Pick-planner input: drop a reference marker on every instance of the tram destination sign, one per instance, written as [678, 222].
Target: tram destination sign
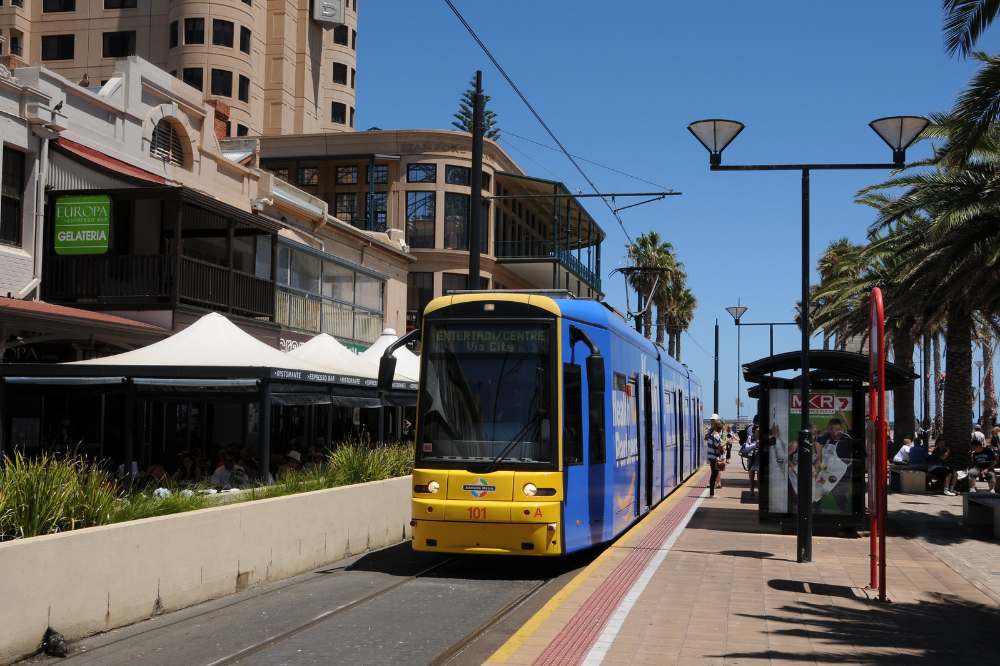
[82, 224]
[498, 340]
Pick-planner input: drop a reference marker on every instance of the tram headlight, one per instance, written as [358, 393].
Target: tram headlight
[431, 487]
[530, 490]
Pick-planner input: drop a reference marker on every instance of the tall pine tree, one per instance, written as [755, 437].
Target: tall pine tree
[463, 119]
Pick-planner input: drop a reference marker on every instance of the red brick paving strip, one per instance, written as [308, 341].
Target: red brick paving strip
[572, 644]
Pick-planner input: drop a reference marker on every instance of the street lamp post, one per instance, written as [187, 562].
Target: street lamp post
[737, 312]
[899, 133]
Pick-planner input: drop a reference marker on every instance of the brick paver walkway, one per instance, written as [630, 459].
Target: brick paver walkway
[729, 592]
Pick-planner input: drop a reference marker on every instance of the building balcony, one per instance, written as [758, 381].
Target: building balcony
[138, 279]
[547, 252]
[316, 314]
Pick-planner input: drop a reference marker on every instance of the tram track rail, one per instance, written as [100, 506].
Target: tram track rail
[323, 617]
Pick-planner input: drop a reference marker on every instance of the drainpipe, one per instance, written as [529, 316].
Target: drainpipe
[44, 135]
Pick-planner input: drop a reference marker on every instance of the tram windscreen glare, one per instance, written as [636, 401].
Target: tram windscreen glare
[487, 393]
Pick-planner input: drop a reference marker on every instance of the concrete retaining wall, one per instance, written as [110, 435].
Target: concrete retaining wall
[99, 578]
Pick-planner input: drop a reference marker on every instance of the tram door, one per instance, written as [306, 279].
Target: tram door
[647, 453]
[639, 434]
[679, 414]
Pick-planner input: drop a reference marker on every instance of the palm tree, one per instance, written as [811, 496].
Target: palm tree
[649, 252]
[685, 303]
[951, 263]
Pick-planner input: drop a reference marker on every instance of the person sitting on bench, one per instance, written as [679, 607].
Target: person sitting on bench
[983, 462]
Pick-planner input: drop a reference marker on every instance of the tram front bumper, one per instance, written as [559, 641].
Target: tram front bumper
[486, 538]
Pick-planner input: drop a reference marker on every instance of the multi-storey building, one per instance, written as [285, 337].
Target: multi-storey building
[416, 183]
[278, 70]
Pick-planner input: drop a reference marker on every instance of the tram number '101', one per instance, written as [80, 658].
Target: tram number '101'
[477, 513]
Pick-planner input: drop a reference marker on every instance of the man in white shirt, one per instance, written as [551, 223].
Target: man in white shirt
[230, 475]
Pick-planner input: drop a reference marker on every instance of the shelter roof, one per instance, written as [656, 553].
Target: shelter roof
[826, 365]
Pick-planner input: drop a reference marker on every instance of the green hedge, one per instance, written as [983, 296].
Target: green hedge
[47, 495]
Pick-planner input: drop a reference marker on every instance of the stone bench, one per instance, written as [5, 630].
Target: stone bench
[982, 509]
[908, 481]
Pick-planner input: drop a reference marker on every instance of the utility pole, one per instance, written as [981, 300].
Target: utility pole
[476, 200]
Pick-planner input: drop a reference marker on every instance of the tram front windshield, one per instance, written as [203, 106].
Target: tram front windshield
[487, 394]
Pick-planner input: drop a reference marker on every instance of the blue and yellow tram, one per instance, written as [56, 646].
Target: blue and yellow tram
[545, 425]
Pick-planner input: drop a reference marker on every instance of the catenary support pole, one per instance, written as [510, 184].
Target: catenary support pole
[804, 516]
[476, 200]
[129, 433]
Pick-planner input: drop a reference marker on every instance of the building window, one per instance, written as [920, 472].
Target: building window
[174, 35]
[222, 82]
[353, 76]
[456, 175]
[242, 130]
[53, 6]
[354, 39]
[229, 128]
[194, 31]
[486, 182]
[120, 4]
[57, 47]
[346, 207]
[420, 211]
[166, 144]
[244, 89]
[453, 282]
[352, 116]
[421, 173]
[380, 205]
[308, 176]
[378, 175]
[281, 173]
[340, 35]
[245, 39]
[194, 77]
[347, 175]
[222, 33]
[119, 44]
[11, 194]
[456, 221]
[248, 2]
[340, 73]
[338, 113]
[419, 292]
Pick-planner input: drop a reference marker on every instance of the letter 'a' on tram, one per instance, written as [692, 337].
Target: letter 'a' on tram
[545, 424]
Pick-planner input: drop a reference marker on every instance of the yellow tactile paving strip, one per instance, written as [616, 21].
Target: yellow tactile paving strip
[731, 593]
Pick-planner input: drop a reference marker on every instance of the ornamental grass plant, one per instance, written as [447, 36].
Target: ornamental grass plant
[48, 494]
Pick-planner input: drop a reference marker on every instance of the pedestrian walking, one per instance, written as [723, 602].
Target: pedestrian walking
[715, 451]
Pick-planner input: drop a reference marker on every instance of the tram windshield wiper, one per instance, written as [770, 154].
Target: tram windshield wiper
[514, 441]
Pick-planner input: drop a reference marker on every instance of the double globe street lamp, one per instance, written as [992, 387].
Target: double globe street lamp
[899, 133]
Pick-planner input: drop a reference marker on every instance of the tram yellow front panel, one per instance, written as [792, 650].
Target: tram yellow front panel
[535, 512]
[486, 538]
[477, 511]
[492, 487]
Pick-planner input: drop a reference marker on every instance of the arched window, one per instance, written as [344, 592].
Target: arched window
[166, 144]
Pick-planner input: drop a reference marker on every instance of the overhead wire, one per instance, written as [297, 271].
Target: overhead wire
[557, 176]
[537, 117]
[584, 159]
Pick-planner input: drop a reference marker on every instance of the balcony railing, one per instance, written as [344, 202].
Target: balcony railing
[147, 276]
[314, 313]
[151, 277]
[546, 249]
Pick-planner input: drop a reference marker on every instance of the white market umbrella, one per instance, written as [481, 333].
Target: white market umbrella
[407, 363]
[325, 350]
[212, 341]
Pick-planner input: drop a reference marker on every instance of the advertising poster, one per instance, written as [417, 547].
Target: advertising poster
[830, 414]
[82, 224]
[779, 475]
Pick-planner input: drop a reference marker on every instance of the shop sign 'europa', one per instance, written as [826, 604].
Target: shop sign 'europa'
[82, 224]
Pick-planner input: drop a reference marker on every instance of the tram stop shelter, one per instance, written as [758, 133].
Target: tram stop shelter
[837, 411]
[135, 408]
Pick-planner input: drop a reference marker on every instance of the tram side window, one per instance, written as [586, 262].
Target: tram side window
[572, 415]
[597, 435]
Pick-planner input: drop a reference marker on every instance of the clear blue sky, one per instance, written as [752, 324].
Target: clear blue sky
[618, 83]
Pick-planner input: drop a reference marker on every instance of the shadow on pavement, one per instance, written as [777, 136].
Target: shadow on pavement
[939, 631]
[942, 528]
[721, 519]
